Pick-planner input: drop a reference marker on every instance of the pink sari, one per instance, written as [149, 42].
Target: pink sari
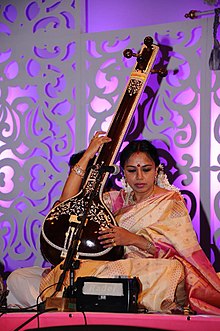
[178, 274]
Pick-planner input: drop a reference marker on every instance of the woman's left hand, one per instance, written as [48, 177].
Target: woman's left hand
[115, 236]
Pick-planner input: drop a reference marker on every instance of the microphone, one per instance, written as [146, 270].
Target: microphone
[113, 169]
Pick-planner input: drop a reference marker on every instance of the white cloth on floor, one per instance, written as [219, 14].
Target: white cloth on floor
[23, 285]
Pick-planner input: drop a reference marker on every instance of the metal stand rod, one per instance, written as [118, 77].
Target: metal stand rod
[196, 13]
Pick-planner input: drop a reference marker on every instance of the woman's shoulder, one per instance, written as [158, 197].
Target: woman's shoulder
[170, 194]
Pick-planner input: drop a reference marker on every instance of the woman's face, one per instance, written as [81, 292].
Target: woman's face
[140, 172]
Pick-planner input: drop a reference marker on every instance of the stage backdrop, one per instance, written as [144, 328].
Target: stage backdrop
[58, 85]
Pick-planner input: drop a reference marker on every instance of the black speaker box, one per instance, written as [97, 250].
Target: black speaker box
[107, 294]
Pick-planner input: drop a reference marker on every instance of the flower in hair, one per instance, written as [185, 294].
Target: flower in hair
[127, 188]
[162, 180]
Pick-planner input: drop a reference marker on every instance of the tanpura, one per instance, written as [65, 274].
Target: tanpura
[76, 222]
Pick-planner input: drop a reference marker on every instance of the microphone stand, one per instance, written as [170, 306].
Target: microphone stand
[71, 262]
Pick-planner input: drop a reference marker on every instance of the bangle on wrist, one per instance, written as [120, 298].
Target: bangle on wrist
[78, 170]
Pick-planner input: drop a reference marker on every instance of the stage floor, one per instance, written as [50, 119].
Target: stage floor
[13, 321]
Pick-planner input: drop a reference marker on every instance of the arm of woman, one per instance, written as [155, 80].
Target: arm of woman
[117, 236]
[74, 180]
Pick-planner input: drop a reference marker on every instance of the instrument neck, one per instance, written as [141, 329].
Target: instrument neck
[127, 105]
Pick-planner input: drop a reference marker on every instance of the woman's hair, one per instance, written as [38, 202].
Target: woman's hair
[76, 157]
[143, 146]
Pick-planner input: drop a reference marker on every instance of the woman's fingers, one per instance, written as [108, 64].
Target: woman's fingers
[96, 142]
[108, 237]
[100, 137]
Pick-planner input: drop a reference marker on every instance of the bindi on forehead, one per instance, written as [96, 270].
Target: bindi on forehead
[138, 159]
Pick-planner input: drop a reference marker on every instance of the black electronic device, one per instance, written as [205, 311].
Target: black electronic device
[107, 294]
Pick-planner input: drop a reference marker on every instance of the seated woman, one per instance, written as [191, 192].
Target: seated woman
[154, 226]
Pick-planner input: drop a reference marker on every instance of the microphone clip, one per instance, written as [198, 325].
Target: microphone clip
[113, 169]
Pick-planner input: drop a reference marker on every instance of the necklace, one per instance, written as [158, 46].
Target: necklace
[132, 199]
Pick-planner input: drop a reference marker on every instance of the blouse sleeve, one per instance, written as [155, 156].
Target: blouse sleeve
[114, 200]
[107, 201]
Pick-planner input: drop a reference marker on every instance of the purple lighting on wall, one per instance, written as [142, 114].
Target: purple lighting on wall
[11, 70]
[10, 13]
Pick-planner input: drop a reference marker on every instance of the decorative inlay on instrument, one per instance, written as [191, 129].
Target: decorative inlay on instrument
[62, 223]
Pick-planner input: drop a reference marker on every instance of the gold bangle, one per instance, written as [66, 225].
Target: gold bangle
[78, 170]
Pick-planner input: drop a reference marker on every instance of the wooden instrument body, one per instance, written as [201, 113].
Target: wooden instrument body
[60, 225]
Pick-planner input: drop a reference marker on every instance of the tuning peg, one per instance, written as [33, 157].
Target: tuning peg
[128, 53]
[192, 14]
[162, 72]
[148, 41]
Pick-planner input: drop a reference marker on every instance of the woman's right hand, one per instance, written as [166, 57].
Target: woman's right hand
[96, 142]
[73, 182]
